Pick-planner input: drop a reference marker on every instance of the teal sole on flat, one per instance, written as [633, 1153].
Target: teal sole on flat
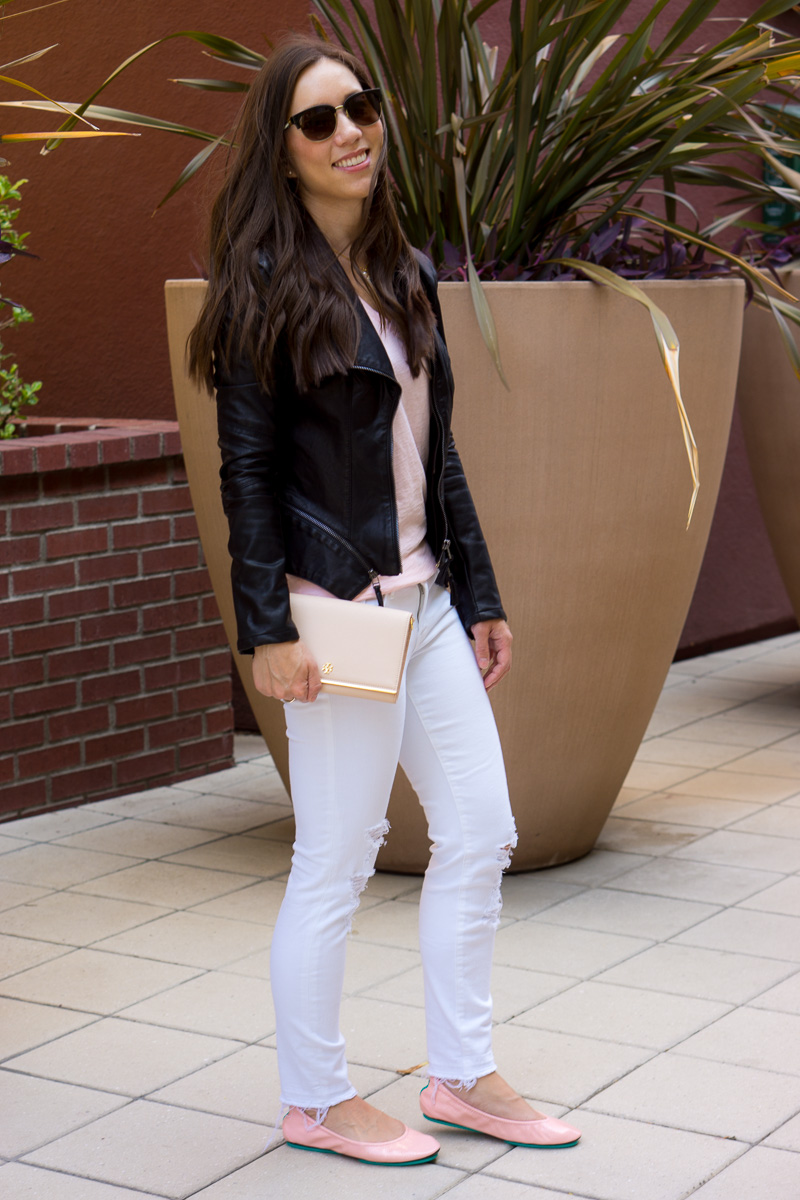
[531, 1145]
[412, 1162]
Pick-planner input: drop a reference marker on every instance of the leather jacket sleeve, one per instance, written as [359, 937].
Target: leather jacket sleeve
[246, 421]
[476, 595]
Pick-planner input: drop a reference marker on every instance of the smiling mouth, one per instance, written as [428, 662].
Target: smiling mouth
[353, 160]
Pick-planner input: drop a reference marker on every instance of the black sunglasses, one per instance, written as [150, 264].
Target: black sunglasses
[319, 123]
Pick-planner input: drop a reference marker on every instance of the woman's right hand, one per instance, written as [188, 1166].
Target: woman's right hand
[287, 671]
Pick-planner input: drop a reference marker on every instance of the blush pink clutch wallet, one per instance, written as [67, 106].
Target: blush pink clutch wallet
[360, 649]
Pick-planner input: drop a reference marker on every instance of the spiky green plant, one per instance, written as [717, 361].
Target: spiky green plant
[521, 169]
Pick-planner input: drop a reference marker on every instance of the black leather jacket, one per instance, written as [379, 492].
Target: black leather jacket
[308, 486]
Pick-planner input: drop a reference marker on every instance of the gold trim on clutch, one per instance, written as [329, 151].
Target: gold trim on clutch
[359, 687]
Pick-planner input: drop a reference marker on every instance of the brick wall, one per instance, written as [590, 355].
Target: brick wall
[114, 667]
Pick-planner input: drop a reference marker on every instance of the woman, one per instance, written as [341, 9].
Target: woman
[323, 337]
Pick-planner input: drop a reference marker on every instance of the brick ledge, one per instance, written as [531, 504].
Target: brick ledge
[52, 444]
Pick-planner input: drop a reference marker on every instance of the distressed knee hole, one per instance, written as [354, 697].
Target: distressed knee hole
[375, 837]
[495, 904]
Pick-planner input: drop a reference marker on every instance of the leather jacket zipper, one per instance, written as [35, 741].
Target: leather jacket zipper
[337, 537]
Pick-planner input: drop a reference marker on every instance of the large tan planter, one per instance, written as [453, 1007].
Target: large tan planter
[581, 481]
[768, 396]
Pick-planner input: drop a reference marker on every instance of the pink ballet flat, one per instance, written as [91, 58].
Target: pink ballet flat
[410, 1148]
[444, 1106]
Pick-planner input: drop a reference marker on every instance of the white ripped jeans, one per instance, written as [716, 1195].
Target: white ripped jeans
[343, 753]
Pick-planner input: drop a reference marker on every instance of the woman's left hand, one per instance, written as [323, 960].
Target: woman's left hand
[492, 650]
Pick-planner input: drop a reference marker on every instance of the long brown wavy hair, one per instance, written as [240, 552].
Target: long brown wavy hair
[303, 294]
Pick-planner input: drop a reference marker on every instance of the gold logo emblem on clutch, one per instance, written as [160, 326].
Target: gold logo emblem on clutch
[327, 668]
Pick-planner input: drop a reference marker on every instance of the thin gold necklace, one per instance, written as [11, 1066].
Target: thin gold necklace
[361, 270]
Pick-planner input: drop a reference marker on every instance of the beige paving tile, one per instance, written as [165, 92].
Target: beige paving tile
[94, 981]
[23, 1026]
[513, 990]
[743, 930]
[536, 946]
[255, 965]
[249, 745]
[787, 1137]
[299, 1175]
[258, 902]
[784, 997]
[227, 1006]
[777, 821]
[782, 897]
[560, 1068]
[139, 839]
[134, 804]
[19, 953]
[706, 1097]
[689, 810]
[263, 787]
[773, 712]
[691, 702]
[777, 760]
[754, 850]
[629, 1015]
[281, 830]
[222, 814]
[7, 843]
[57, 866]
[762, 670]
[390, 1037]
[751, 1037]
[687, 753]
[484, 1187]
[390, 924]
[732, 785]
[189, 940]
[74, 919]
[12, 894]
[645, 837]
[524, 895]
[35, 1111]
[368, 965]
[683, 879]
[597, 867]
[627, 794]
[759, 1173]
[122, 1056]
[725, 686]
[619, 1159]
[656, 776]
[689, 971]
[45, 826]
[185, 1149]
[732, 730]
[665, 722]
[389, 886]
[166, 884]
[244, 855]
[611, 911]
[21, 1182]
[217, 781]
[245, 1085]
